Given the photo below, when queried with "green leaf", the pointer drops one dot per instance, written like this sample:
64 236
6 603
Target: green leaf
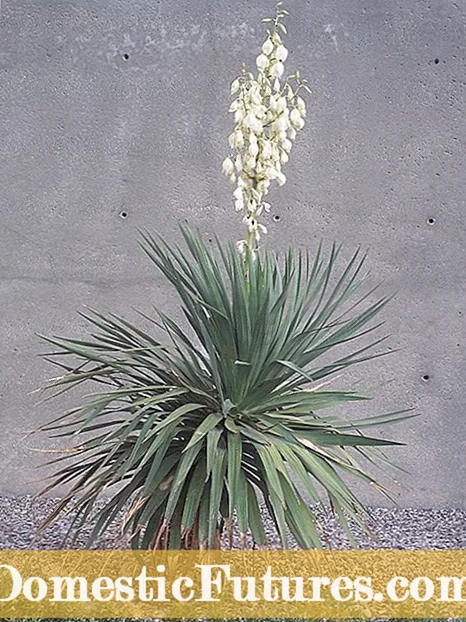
216 490
204 428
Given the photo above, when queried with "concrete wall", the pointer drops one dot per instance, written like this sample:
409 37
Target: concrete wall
119 107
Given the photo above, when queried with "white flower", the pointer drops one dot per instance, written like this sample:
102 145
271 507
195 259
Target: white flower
282 123
286 145
281 136
238 194
250 163
259 111
266 207
239 205
300 124
241 246
267 48
276 84
301 106
295 117
284 157
281 104
281 53
238 163
262 62
248 120
281 178
232 178
228 167
263 186
292 133
257 127
235 86
256 96
239 115
277 70
234 106
253 149
239 139
267 149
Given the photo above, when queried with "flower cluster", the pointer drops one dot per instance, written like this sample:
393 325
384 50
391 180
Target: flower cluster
268 112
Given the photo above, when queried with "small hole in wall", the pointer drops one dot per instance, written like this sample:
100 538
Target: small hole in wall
123 215
431 221
436 61
426 377
126 56
276 218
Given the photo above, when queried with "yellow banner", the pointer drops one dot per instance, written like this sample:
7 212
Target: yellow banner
232 584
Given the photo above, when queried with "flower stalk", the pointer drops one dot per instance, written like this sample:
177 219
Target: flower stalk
268 112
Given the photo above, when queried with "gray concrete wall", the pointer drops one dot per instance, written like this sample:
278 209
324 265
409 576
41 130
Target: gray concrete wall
119 106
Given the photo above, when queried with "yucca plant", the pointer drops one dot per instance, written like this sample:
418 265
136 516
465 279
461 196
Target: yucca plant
227 417
218 422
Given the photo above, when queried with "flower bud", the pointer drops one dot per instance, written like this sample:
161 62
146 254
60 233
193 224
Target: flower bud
281 53
262 62
277 70
292 133
267 48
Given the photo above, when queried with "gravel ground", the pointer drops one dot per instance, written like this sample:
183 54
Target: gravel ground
392 528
